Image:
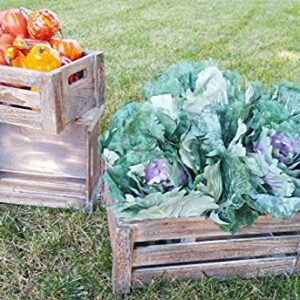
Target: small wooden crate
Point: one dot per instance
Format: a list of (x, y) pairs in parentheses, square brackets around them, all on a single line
[(56, 102), (41, 169), (197, 249)]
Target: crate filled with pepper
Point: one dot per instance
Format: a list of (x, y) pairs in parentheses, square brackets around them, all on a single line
[(46, 81), (51, 103)]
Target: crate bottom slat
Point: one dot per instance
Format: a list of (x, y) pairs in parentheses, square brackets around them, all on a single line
[(42, 200), (44, 191), (15, 182), (246, 268)]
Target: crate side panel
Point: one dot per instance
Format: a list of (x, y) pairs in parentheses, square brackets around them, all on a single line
[(214, 250), (31, 151), (220, 270), (81, 96)]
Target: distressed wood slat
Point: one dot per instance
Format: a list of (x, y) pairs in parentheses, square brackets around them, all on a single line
[(99, 75), (220, 270), (15, 182), (151, 230), (53, 115), (214, 250), (20, 116), (42, 200), (11, 95), (20, 76)]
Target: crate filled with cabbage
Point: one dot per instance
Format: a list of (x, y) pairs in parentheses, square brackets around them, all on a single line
[(202, 177)]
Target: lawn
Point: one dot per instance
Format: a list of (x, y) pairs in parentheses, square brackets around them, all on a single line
[(56, 254)]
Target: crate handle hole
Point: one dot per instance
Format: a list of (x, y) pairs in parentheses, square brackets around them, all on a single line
[(78, 76)]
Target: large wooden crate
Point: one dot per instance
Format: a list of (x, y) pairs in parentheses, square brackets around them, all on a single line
[(195, 248), (56, 100), (42, 169)]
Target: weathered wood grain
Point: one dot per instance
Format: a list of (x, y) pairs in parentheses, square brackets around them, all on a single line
[(86, 93), (220, 270), (152, 230), (52, 109), (20, 116), (122, 260), (21, 97), (30, 151), (99, 75), (42, 200), (15, 182), (214, 250), (20, 76)]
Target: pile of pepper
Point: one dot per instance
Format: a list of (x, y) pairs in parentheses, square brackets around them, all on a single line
[(28, 40)]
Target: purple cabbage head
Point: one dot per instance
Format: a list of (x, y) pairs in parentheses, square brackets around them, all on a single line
[(284, 147), (158, 172)]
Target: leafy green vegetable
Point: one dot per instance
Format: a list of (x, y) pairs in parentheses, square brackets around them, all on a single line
[(276, 207), (201, 145)]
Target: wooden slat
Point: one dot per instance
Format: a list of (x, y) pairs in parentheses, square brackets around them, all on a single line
[(93, 158), (214, 250), (152, 230), (13, 182), (99, 75), (219, 270), (20, 76), (53, 115), (42, 200), (20, 97), (20, 116)]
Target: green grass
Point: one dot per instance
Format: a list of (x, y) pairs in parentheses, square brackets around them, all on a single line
[(55, 254)]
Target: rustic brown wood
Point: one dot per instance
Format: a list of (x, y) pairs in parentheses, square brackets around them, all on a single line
[(53, 115), (59, 102), (30, 151), (19, 116), (42, 200), (268, 247), (20, 76), (220, 270), (214, 250), (11, 95), (122, 260), (15, 182), (42, 169), (203, 228)]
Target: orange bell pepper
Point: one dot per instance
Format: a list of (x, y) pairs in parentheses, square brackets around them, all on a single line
[(43, 58)]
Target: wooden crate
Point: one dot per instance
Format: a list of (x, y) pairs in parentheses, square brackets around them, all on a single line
[(56, 102), (197, 249), (51, 170)]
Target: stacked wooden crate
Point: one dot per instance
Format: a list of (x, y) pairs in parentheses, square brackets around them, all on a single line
[(48, 135)]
